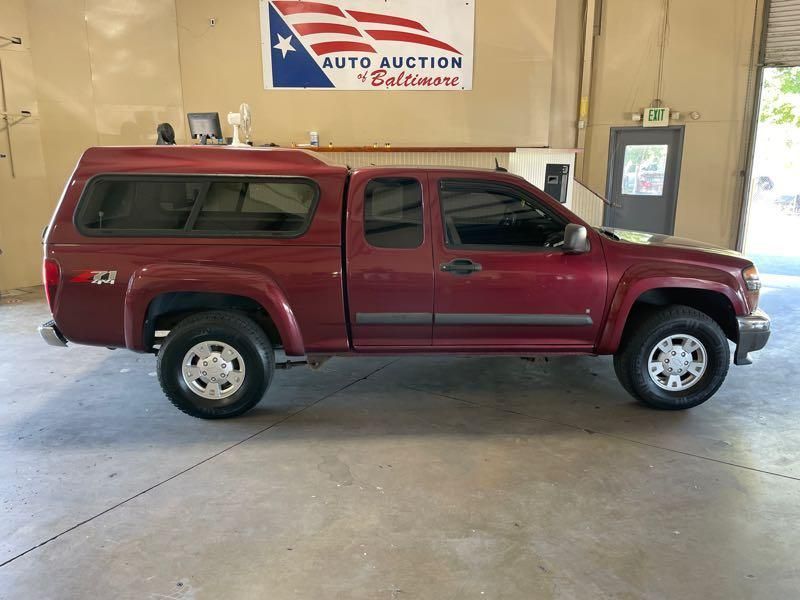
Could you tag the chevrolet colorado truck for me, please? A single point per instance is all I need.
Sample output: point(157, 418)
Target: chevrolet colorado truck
point(214, 258)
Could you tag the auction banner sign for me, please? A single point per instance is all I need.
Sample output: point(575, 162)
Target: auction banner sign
point(367, 44)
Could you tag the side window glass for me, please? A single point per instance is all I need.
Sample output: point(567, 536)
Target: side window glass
point(295, 199)
point(119, 205)
point(280, 207)
point(496, 219)
point(222, 196)
point(164, 204)
point(393, 213)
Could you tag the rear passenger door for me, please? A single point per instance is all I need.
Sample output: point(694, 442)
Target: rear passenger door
point(389, 259)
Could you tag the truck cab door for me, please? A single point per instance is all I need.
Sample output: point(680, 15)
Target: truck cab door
point(389, 259)
point(502, 282)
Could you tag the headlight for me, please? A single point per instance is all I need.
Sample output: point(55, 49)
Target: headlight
point(752, 282)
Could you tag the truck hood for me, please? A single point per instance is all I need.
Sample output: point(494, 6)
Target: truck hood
point(667, 241)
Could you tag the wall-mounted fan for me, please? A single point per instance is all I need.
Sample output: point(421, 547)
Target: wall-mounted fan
point(242, 125)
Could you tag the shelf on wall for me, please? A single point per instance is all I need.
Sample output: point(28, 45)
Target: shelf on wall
point(503, 149)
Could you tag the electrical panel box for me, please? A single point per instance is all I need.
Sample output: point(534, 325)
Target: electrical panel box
point(556, 179)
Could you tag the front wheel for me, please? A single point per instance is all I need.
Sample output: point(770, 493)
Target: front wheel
point(675, 359)
point(216, 365)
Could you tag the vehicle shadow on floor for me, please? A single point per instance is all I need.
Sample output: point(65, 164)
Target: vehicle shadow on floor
point(105, 407)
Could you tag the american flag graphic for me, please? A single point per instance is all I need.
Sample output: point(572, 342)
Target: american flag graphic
point(361, 44)
point(328, 28)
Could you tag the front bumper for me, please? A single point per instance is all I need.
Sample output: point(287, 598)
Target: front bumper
point(754, 330)
point(50, 334)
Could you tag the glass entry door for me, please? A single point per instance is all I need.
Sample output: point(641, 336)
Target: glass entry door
point(643, 174)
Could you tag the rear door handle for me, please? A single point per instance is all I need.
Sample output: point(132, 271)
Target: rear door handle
point(460, 266)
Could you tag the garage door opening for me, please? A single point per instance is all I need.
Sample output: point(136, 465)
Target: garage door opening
point(773, 224)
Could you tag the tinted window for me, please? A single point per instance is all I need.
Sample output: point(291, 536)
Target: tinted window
point(393, 213)
point(130, 205)
point(165, 204)
point(492, 217)
point(281, 207)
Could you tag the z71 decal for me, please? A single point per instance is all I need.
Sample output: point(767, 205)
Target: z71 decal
point(96, 277)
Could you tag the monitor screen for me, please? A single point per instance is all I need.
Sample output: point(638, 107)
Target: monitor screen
point(204, 125)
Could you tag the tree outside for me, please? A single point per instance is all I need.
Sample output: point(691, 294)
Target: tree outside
point(780, 97)
point(774, 217)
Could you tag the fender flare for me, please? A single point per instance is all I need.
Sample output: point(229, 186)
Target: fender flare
point(148, 282)
point(640, 279)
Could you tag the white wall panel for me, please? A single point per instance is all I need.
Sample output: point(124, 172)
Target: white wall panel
point(478, 160)
point(531, 164)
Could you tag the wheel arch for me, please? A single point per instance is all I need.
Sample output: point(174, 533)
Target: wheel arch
point(160, 297)
point(635, 299)
point(170, 308)
point(712, 303)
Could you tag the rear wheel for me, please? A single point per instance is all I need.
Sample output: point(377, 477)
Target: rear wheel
point(674, 359)
point(216, 365)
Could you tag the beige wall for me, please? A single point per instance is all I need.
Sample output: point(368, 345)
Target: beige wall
point(93, 72)
point(567, 55)
point(509, 103)
point(706, 69)
point(23, 205)
point(106, 72)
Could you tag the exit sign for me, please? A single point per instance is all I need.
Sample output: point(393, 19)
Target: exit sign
point(656, 117)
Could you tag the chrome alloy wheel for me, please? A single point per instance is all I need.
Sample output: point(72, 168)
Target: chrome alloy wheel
point(677, 362)
point(213, 370)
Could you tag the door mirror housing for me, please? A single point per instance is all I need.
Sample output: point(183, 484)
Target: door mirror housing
point(575, 239)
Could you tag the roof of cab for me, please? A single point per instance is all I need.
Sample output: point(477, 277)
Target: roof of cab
point(446, 171)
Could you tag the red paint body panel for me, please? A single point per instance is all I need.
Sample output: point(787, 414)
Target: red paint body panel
point(635, 269)
point(387, 280)
point(543, 282)
point(300, 288)
point(314, 286)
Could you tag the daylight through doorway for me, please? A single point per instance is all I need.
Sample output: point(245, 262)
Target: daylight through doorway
point(773, 224)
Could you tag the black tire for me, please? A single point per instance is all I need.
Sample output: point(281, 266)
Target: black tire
point(631, 362)
point(622, 374)
point(241, 333)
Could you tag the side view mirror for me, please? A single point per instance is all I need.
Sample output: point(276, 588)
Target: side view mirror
point(575, 239)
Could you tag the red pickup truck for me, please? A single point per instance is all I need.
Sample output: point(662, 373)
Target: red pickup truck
point(213, 258)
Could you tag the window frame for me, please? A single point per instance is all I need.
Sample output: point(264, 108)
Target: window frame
point(188, 231)
point(421, 204)
point(531, 200)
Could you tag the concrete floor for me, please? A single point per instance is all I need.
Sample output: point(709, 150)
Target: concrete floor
point(412, 478)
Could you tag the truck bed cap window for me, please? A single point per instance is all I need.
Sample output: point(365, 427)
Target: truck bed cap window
point(196, 205)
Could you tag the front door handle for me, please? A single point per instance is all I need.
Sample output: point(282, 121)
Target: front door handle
point(460, 266)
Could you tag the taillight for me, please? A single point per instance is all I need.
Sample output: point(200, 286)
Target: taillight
point(51, 273)
point(752, 283)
